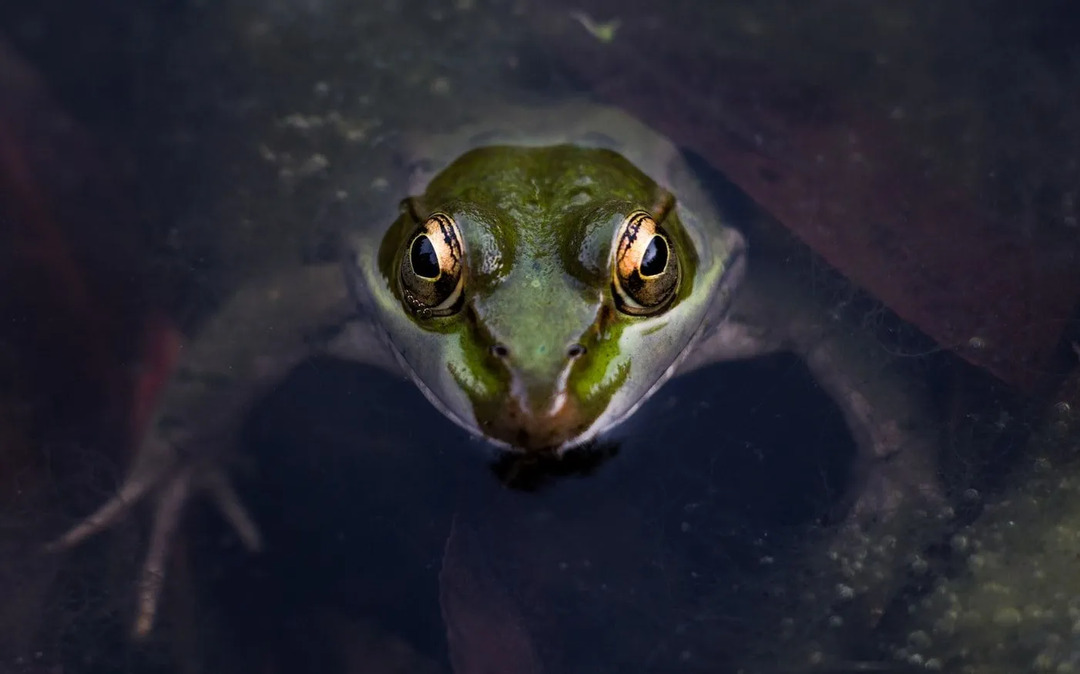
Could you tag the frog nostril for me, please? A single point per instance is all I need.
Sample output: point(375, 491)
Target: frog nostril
point(499, 350)
point(575, 351)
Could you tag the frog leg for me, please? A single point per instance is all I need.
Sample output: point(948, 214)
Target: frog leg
point(884, 410)
point(888, 416)
point(259, 335)
point(894, 504)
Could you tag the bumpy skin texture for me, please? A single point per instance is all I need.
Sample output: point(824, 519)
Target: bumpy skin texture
point(538, 228)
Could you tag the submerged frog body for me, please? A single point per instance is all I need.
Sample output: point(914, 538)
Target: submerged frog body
point(547, 276)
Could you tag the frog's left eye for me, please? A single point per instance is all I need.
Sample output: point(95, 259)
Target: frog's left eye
point(432, 268)
point(645, 273)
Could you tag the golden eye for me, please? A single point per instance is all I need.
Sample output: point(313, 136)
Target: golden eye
point(645, 270)
point(432, 268)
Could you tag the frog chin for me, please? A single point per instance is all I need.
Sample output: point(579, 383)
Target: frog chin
point(454, 405)
point(618, 410)
point(623, 404)
point(476, 427)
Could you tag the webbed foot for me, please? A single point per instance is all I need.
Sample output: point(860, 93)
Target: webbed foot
point(160, 472)
point(190, 397)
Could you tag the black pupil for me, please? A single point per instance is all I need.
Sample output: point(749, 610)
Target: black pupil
point(655, 258)
point(424, 260)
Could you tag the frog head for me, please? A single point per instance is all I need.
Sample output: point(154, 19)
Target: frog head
point(539, 295)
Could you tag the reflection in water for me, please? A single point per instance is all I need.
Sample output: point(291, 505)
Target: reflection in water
point(530, 472)
point(708, 540)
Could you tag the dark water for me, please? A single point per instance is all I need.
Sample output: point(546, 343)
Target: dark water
point(153, 157)
point(668, 532)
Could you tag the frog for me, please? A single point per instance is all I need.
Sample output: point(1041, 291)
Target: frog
point(547, 269)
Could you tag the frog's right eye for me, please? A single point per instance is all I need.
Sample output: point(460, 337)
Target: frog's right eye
point(645, 272)
point(433, 268)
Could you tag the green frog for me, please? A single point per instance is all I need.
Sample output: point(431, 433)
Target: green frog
point(549, 272)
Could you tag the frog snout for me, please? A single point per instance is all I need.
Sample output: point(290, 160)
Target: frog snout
point(529, 429)
point(540, 413)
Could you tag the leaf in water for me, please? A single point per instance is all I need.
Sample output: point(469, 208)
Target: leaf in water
point(484, 629)
point(840, 174)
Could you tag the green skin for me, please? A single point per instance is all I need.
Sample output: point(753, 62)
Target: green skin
point(538, 227)
point(538, 199)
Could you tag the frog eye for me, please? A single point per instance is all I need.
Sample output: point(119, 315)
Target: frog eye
point(432, 268)
point(645, 273)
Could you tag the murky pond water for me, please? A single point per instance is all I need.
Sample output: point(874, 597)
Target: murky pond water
point(912, 168)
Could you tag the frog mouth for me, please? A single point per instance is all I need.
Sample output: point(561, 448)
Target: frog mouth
point(514, 428)
point(547, 431)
